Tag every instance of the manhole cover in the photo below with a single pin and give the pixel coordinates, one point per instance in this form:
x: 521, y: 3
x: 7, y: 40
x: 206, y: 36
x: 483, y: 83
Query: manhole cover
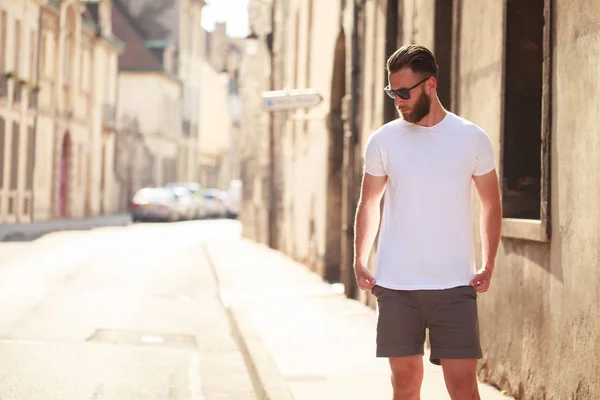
x: 142, y: 338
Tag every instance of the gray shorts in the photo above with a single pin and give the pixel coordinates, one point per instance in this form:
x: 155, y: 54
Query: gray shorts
x: 449, y: 314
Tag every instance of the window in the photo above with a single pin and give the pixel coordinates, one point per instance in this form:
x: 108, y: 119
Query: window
x: 105, y: 20
x: 67, y: 60
x: 81, y: 162
x: 32, y: 52
x: 17, y: 47
x: 2, y: 157
x: 525, y: 164
x: 297, y: 51
x: 3, y: 22
x: 296, y: 82
x: 30, y: 158
x: 69, y: 49
x: 309, y: 45
x: 190, y: 34
x: 14, y: 169
x: 85, y: 70
x: 43, y: 68
x: 103, y: 168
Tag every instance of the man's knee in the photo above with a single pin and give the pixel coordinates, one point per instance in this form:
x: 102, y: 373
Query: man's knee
x: 407, y: 376
x: 461, y: 379
x: 407, y: 383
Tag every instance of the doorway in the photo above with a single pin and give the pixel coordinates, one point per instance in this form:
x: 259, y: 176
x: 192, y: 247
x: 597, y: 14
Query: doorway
x: 65, y: 167
x: 335, y: 161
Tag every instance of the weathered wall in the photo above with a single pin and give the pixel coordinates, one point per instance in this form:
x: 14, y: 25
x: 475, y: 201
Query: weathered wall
x: 539, y: 321
x: 254, y: 77
x: 542, y: 313
x: 313, y: 34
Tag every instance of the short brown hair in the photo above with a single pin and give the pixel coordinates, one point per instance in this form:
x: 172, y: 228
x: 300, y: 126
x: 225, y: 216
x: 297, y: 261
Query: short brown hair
x: 418, y: 58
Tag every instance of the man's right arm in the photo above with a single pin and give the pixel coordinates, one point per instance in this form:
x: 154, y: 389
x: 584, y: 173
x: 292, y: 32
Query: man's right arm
x: 368, y: 216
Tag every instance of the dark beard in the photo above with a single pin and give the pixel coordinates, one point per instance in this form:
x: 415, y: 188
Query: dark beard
x: 420, y: 109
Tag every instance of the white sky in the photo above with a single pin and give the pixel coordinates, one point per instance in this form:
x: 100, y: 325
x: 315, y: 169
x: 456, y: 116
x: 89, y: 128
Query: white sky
x: 234, y: 12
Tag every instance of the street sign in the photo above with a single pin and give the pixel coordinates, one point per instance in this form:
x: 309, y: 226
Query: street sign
x: 278, y: 100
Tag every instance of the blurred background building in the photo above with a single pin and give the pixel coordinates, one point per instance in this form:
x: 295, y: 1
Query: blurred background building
x: 100, y: 98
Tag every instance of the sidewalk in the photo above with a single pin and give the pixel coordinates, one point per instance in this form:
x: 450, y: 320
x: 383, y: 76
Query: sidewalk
x: 33, y: 230
x: 302, y: 339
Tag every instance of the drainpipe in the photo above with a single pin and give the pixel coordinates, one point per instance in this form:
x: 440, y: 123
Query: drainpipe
x: 273, y: 234
x: 352, y: 140
x: 37, y: 111
x: 354, y: 81
x: 115, y: 127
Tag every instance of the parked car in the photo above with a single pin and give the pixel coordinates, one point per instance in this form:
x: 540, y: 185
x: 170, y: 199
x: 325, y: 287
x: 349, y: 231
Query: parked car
x: 234, y: 197
x: 214, y: 203
x: 197, y: 196
x: 184, y: 198
x: 156, y: 204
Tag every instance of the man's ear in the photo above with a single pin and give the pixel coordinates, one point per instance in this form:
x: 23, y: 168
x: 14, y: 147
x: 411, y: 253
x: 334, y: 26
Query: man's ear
x: 431, y: 84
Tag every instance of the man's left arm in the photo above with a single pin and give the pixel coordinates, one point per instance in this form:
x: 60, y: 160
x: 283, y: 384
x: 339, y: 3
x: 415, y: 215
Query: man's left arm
x: 490, y: 227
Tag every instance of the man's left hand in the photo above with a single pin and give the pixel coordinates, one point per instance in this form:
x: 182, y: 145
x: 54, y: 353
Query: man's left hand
x: 481, y: 282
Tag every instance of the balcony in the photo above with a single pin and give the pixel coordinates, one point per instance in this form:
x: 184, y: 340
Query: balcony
x: 109, y: 116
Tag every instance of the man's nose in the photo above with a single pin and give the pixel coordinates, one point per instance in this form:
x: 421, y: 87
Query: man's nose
x: 398, y: 101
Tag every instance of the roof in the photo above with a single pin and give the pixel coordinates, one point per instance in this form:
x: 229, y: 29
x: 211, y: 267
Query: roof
x: 135, y: 56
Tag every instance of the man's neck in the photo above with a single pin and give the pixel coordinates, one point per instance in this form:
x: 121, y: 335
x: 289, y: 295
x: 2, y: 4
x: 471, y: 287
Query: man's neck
x: 435, y: 116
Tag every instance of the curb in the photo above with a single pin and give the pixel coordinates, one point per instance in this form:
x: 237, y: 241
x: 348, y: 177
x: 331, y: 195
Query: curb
x: 265, y: 376
x: 35, y: 230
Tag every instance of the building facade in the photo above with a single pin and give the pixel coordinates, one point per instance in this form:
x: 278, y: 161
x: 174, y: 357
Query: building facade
x: 218, y: 150
x: 19, y: 33
x: 99, y: 71
x: 151, y: 132
x: 524, y: 72
x: 196, y: 58
x: 191, y: 57
x: 311, y: 139
x: 255, y: 171
x: 58, y: 77
x: 293, y: 161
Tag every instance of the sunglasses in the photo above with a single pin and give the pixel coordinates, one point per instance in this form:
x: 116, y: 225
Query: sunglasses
x: 403, y: 93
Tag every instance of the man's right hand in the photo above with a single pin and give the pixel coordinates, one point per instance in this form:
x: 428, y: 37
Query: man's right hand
x: 364, y: 279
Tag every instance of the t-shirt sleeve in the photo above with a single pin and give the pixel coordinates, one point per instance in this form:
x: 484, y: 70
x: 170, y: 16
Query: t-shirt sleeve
x: 373, y: 160
x: 484, y: 157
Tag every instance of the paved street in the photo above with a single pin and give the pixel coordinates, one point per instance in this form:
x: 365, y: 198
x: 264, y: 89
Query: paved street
x: 306, y: 340
x: 143, y: 312
x: 116, y: 313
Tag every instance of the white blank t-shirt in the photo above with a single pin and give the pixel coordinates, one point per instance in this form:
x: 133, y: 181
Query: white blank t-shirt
x: 426, y: 235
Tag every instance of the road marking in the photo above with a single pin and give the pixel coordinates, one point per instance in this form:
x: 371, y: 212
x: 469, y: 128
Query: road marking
x: 194, y: 377
x: 184, y: 299
x: 152, y: 339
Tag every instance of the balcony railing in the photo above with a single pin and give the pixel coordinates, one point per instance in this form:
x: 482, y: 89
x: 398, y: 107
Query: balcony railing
x: 109, y: 116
